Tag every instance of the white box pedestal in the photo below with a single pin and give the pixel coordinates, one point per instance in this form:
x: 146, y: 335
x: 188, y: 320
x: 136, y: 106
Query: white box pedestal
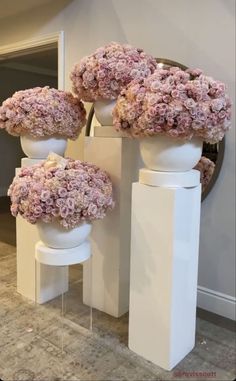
x: 164, y: 267
x: 52, y: 281
x: 110, y: 237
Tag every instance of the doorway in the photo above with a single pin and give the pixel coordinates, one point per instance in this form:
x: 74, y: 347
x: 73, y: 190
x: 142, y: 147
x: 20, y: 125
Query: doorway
x: 34, y: 65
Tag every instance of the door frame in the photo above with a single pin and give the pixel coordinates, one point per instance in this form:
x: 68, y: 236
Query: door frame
x: 37, y: 44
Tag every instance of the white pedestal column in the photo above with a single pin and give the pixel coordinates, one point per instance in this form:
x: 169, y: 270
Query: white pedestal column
x: 110, y: 237
x: 52, y: 281
x: 164, y: 265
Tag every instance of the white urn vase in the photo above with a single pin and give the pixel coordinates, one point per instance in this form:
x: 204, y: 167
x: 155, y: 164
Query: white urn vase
x: 39, y: 147
x: 166, y: 154
x: 56, y: 236
x: 103, y: 111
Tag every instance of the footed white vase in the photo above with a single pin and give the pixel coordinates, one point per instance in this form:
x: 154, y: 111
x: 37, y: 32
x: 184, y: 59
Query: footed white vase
x: 163, y: 153
x: 103, y: 111
x: 55, y: 236
x: 39, y: 148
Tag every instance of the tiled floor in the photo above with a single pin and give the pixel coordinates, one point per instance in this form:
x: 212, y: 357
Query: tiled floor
x: 36, y: 343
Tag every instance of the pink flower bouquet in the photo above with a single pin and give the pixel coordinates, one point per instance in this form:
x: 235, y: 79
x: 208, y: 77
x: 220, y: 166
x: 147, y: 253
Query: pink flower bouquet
x: 43, y: 111
x: 103, y: 74
x: 176, y: 103
x: 206, y: 168
x: 74, y: 193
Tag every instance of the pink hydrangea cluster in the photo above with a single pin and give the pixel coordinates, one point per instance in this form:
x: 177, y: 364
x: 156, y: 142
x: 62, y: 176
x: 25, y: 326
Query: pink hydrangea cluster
x: 104, y: 73
x: 206, y: 168
x: 79, y: 192
x: 43, y: 111
x: 177, y: 103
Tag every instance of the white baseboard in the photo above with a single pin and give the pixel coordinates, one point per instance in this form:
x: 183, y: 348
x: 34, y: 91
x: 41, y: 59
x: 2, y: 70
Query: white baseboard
x: 216, y: 302
x: 3, y: 191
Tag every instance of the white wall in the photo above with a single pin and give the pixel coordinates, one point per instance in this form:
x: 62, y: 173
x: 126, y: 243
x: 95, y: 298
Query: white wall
x: 197, y: 33
x: 10, y: 149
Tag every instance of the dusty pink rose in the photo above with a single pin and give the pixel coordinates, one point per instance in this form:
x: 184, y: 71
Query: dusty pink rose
x: 104, y: 73
x: 84, y: 193
x: 206, y: 168
x: 173, y: 102
x: 43, y: 111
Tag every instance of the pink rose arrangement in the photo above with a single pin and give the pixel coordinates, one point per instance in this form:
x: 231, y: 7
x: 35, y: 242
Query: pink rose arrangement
x: 104, y: 73
x: 176, y: 103
x: 206, y: 168
x: 77, y: 192
x: 43, y: 111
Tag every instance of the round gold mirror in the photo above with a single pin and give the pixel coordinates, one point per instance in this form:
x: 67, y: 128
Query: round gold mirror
x: 212, y: 154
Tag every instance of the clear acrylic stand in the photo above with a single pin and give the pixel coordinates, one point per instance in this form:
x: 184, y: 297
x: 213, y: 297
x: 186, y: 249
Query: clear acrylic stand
x: 67, y: 308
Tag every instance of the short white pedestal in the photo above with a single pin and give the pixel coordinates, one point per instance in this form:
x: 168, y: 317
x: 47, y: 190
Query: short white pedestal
x: 52, y: 281
x: 164, y: 267
x: 110, y: 237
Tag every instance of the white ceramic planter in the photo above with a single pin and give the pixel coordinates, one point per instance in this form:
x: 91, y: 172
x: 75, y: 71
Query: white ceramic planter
x: 55, y: 236
x: 103, y: 111
x: 39, y: 148
x: 161, y: 153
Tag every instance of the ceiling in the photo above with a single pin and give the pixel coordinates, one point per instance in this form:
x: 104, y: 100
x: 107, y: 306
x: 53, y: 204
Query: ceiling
x: 12, y: 7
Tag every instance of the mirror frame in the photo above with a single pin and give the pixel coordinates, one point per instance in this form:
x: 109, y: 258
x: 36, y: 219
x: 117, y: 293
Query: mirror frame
x: 221, y: 144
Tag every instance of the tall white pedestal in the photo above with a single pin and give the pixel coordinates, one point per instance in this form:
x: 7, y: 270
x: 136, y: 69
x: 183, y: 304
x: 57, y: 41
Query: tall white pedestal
x: 110, y: 237
x: 164, y: 266
x: 52, y: 281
